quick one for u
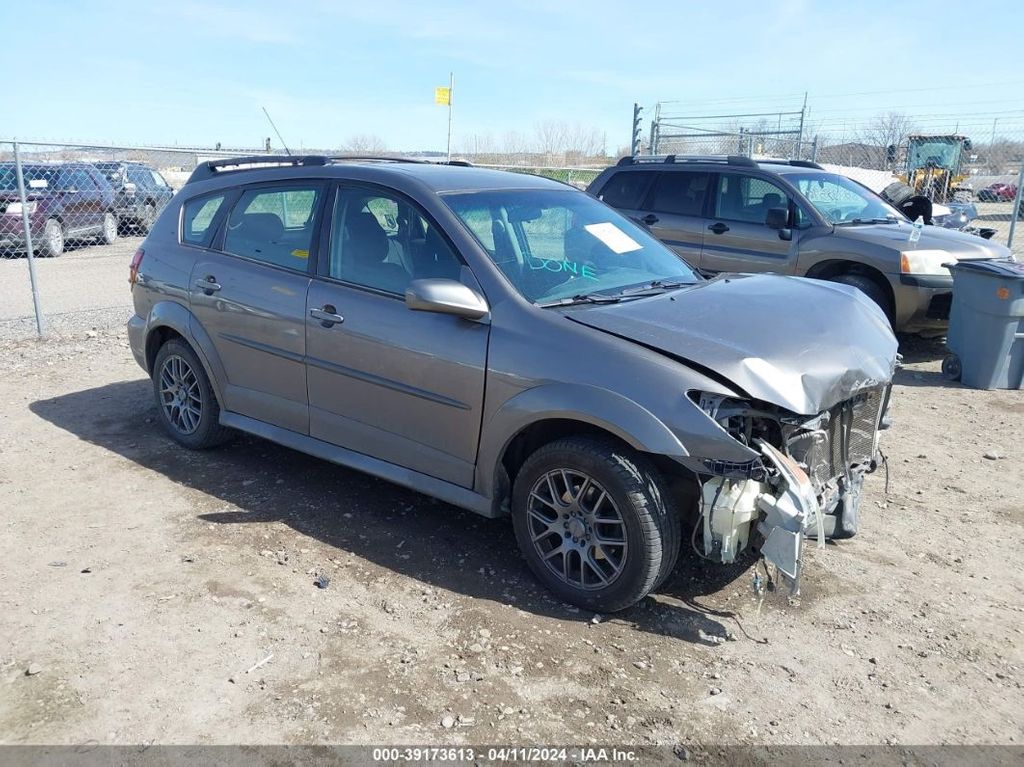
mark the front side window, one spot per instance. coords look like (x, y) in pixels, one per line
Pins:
(841, 200)
(273, 225)
(555, 244)
(158, 180)
(384, 242)
(626, 189)
(140, 178)
(197, 218)
(747, 198)
(680, 193)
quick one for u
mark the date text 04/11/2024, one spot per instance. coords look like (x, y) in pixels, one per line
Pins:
(497, 754)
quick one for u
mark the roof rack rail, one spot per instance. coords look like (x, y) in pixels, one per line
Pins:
(732, 159)
(211, 168)
(794, 163)
(391, 158)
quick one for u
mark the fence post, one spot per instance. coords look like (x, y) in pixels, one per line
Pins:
(814, 150)
(1016, 206)
(28, 241)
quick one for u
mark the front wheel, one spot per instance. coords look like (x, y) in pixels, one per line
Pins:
(594, 523)
(868, 287)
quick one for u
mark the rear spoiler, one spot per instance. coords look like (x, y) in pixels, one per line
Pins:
(211, 168)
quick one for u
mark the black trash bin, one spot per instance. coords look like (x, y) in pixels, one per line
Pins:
(986, 324)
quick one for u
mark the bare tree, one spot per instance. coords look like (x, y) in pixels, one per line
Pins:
(364, 143)
(884, 131)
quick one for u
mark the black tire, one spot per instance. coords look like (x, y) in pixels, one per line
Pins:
(53, 240)
(108, 235)
(952, 368)
(196, 432)
(868, 287)
(651, 535)
(146, 220)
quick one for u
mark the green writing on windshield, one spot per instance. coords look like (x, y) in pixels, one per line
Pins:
(574, 268)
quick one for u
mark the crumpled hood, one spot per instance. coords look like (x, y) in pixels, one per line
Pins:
(959, 244)
(802, 344)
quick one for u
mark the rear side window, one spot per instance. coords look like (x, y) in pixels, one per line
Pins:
(626, 189)
(681, 193)
(274, 225)
(197, 217)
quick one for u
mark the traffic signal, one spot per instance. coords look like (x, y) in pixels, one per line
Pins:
(635, 140)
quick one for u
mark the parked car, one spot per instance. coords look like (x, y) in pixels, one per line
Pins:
(140, 193)
(508, 344)
(67, 201)
(997, 192)
(732, 214)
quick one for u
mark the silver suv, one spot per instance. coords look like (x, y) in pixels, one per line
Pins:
(732, 214)
(508, 344)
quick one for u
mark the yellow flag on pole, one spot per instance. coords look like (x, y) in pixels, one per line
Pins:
(443, 96)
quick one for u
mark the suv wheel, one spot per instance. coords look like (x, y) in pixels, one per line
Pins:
(146, 220)
(109, 233)
(53, 239)
(593, 522)
(868, 287)
(188, 407)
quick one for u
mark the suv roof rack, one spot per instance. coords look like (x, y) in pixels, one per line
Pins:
(794, 163)
(211, 168)
(731, 159)
(388, 158)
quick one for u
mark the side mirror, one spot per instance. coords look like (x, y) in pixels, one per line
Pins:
(776, 218)
(445, 297)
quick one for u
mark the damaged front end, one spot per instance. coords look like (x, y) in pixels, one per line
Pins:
(807, 483)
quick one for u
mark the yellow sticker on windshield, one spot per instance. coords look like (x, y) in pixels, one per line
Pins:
(300, 253)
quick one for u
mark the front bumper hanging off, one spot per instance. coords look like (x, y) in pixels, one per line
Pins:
(790, 515)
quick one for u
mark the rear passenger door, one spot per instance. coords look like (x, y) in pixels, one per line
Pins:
(248, 292)
(736, 238)
(674, 211)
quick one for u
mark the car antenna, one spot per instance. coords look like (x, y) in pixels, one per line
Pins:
(286, 150)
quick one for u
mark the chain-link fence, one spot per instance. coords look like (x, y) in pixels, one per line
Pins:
(72, 215)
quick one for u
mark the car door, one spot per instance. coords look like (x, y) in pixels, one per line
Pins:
(248, 292)
(674, 211)
(736, 238)
(399, 385)
(83, 204)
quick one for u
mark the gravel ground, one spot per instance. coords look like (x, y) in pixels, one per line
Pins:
(143, 585)
(84, 289)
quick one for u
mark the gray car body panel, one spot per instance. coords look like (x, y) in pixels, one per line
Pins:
(467, 388)
(816, 249)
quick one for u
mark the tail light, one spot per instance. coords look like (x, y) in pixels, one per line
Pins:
(133, 268)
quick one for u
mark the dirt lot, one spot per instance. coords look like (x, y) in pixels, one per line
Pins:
(145, 584)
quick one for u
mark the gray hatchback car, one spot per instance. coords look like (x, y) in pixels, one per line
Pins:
(732, 214)
(511, 345)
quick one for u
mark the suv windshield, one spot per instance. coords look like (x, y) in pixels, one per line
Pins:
(554, 244)
(841, 200)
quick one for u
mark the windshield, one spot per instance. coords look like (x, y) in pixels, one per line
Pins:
(841, 200)
(555, 244)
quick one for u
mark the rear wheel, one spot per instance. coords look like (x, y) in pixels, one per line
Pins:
(868, 287)
(952, 367)
(52, 244)
(593, 522)
(188, 407)
(109, 233)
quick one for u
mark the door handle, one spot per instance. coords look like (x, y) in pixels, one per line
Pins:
(719, 228)
(208, 285)
(327, 315)
(650, 218)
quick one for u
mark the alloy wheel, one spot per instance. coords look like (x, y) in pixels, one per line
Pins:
(577, 529)
(180, 395)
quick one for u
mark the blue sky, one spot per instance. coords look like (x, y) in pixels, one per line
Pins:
(191, 72)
